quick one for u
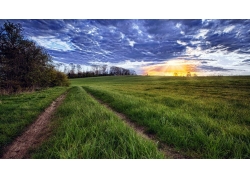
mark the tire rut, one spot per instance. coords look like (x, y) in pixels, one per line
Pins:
(34, 135)
(169, 152)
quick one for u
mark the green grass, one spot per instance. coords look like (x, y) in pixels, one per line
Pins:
(206, 117)
(18, 111)
(86, 129)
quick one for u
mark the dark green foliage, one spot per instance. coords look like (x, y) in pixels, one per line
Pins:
(23, 64)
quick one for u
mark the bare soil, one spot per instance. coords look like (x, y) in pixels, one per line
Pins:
(34, 135)
(169, 152)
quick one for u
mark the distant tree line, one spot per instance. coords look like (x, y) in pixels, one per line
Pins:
(188, 74)
(23, 64)
(98, 70)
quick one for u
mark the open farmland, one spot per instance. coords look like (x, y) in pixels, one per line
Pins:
(80, 128)
(85, 129)
(203, 117)
(198, 117)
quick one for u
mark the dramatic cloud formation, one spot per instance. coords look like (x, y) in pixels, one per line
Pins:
(157, 47)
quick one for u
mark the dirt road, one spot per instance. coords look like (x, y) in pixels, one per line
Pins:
(34, 135)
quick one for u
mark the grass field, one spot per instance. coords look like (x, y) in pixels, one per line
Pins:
(205, 117)
(18, 111)
(86, 129)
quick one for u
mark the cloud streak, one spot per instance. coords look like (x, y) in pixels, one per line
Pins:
(225, 42)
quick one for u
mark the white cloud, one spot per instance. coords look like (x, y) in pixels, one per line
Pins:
(178, 25)
(202, 33)
(70, 27)
(194, 51)
(53, 43)
(92, 31)
(132, 64)
(149, 36)
(135, 26)
(77, 47)
(221, 58)
(228, 29)
(181, 42)
(148, 53)
(122, 35)
(131, 43)
(112, 29)
(206, 21)
(106, 52)
(227, 60)
(194, 42)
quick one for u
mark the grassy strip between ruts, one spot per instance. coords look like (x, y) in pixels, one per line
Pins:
(86, 129)
(199, 135)
(19, 111)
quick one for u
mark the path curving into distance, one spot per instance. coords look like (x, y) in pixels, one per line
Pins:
(39, 131)
(168, 151)
(34, 135)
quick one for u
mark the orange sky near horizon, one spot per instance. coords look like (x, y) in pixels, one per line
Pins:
(173, 68)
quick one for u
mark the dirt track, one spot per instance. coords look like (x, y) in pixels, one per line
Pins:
(167, 150)
(34, 135)
(39, 131)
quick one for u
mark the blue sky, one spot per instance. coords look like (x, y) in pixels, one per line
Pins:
(148, 46)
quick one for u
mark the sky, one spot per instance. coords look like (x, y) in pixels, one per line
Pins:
(149, 46)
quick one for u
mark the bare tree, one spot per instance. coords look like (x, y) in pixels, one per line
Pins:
(95, 69)
(79, 68)
(72, 68)
(66, 69)
(104, 69)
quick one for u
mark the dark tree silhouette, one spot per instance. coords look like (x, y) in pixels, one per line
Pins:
(23, 64)
(188, 74)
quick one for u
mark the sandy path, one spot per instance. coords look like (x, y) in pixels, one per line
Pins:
(34, 135)
(168, 151)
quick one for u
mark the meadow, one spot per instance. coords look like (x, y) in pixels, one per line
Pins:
(199, 117)
(203, 117)
(85, 129)
(18, 111)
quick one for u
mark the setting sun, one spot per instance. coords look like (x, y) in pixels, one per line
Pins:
(173, 68)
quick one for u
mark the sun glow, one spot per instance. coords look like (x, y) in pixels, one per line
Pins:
(173, 68)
